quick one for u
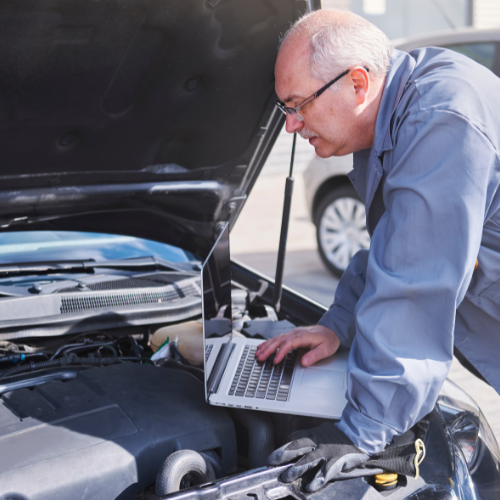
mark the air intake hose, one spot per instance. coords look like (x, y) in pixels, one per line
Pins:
(260, 435)
(71, 359)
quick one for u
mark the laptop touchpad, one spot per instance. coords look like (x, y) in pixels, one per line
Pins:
(324, 379)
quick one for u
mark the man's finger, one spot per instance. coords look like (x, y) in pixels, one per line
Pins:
(313, 337)
(302, 340)
(291, 340)
(305, 464)
(267, 348)
(320, 352)
(339, 468)
(284, 349)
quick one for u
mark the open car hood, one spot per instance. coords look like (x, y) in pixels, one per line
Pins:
(149, 118)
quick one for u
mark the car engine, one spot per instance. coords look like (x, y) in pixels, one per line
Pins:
(100, 424)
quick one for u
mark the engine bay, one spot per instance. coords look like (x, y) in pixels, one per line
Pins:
(87, 431)
(100, 414)
(95, 417)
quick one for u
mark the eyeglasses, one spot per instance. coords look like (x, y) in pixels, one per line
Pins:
(295, 111)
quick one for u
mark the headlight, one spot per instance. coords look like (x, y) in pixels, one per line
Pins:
(467, 425)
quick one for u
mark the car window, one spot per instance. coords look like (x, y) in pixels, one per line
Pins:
(483, 53)
(30, 246)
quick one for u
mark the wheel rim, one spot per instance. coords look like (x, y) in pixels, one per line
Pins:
(342, 231)
(187, 481)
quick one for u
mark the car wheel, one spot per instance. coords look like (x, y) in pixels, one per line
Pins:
(340, 228)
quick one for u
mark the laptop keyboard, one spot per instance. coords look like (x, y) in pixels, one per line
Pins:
(263, 380)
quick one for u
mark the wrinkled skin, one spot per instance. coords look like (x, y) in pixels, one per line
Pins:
(341, 120)
(319, 340)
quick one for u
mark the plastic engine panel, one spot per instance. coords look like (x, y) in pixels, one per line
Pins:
(105, 434)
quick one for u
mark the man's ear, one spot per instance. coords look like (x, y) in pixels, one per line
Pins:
(361, 83)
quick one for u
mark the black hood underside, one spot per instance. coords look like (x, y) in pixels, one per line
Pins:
(125, 85)
(149, 118)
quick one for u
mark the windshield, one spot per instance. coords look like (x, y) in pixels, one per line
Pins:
(39, 246)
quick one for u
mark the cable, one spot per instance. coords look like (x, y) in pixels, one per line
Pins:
(86, 344)
(30, 367)
(72, 359)
(65, 346)
(112, 349)
(17, 357)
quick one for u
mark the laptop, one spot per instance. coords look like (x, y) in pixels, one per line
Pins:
(234, 378)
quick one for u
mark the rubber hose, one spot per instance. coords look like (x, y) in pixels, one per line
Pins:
(183, 466)
(215, 461)
(16, 357)
(260, 435)
(30, 367)
(31, 380)
(177, 365)
(72, 359)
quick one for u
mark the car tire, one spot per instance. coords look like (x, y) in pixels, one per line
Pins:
(183, 469)
(340, 222)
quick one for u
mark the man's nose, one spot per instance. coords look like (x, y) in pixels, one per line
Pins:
(293, 124)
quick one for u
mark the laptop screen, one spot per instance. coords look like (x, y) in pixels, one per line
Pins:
(216, 303)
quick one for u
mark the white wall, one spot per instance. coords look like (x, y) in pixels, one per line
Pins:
(336, 4)
(486, 13)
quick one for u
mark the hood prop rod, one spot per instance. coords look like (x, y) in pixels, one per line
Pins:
(285, 220)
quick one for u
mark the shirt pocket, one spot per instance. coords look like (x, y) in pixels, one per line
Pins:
(492, 293)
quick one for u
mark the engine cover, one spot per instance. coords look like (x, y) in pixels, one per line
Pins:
(104, 434)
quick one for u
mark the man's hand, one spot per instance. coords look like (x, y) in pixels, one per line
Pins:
(326, 447)
(320, 340)
(334, 456)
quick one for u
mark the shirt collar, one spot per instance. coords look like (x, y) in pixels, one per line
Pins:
(402, 66)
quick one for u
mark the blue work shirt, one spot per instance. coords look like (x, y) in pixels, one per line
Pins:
(430, 185)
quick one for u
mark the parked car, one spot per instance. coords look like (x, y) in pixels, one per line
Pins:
(334, 206)
(126, 149)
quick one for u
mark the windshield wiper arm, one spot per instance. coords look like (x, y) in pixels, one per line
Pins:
(83, 266)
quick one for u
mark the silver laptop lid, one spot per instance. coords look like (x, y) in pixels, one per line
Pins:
(216, 306)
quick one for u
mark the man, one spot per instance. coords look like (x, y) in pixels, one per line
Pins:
(425, 131)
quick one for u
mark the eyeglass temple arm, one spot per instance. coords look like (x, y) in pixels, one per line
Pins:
(322, 89)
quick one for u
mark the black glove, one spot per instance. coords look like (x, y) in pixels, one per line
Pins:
(325, 446)
(403, 454)
(328, 447)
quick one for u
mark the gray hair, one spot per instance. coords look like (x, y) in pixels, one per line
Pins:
(341, 40)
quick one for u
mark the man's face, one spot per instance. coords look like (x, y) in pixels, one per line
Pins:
(331, 122)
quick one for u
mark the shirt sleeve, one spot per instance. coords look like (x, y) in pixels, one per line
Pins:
(340, 316)
(422, 255)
